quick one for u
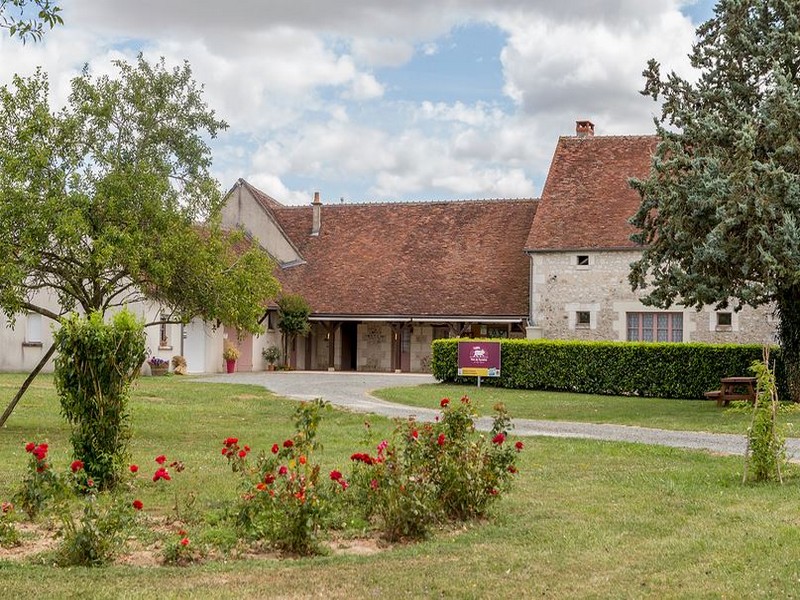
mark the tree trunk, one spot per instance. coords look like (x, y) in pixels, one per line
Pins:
(788, 300)
(26, 384)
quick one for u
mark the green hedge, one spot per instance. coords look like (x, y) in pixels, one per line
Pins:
(614, 368)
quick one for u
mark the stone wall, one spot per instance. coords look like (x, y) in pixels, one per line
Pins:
(374, 347)
(561, 288)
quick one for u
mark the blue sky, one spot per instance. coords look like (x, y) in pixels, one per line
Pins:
(387, 101)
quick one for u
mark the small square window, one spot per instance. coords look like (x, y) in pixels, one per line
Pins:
(583, 318)
(724, 319)
(583, 260)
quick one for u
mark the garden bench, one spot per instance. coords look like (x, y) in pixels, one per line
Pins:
(734, 388)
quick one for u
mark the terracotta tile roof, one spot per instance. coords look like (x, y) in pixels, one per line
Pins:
(411, 259)
(586, 201)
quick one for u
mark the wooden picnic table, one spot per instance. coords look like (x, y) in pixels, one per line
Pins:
(734, 388)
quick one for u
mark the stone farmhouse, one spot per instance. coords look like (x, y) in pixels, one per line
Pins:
(386, 279)
(580, 252)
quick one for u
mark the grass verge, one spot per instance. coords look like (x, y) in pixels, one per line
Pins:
(586, 519)
(659, 413)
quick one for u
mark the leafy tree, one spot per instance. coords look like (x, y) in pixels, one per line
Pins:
(293, 313)
(720, 211)
(27, 18)
(97, 363)
(110, 201)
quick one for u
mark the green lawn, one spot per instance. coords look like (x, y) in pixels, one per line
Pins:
(586, 519)
(686, 415)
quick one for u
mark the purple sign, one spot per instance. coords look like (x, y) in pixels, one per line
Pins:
(479, 359)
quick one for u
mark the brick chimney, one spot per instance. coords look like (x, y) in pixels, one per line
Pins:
(316, 214)
(584, 128)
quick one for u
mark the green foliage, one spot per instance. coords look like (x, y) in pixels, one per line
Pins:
(720, 208)
(178, 550)
(766, 442)
(45, 12)
(40, 486)
(284, 502)
(271, 354)
(293, 313)
(96, 364)
(431, 472)
(110, 200)
(613, 368)
(98, 534)
(8, 533)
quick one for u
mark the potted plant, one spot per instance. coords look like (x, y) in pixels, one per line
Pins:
(230, 353)
(271, 354)
(158, 366)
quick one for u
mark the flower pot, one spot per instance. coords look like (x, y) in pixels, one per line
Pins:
(270, 367)
(230, 365)
(158, 371)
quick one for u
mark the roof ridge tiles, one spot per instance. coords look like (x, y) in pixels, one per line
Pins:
(416, 202)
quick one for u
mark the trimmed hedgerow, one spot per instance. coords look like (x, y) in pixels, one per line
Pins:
(615, 368)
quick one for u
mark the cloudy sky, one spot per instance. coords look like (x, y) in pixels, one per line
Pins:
(377, 100)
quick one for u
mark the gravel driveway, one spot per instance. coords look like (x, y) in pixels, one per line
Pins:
(352, 392)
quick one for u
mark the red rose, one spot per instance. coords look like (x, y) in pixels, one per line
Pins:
(242, 453)
(161, 473)
(76, 465)
(444, 402)
(335, 475)
(465, 399)
(247, 448)
(224, 452)
(269, 478)
(134, 468)
(519, 446)
(344, 484)
(440, 439)
(161, 459)
(29, 447)
(90, 482)
(231, 441)
(414, 434)
(275, 448)
(40, 452)
(499, 438)
(288, 444)
(283, 470)
(302, 460)
(512, 469)
(185, 542)
(261, 486)
(137, 504)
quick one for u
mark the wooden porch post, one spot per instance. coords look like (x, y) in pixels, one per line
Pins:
(330, 330)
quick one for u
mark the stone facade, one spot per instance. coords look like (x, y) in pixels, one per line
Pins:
(585, 295)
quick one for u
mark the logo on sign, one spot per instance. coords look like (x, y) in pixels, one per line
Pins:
(478, 355)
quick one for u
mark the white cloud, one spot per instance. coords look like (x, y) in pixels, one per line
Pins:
(293, 78)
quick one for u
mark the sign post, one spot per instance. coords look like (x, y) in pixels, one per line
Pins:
(479, 359)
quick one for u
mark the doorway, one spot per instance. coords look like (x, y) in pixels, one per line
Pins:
(349, 332)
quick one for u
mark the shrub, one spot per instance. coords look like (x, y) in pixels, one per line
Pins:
(618, 368)
(284, 501)
(433, 471)
(40, 484)
(100, 532)
(766, 441)
(94, 369)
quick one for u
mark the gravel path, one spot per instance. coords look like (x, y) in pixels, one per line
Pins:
(351, 391)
